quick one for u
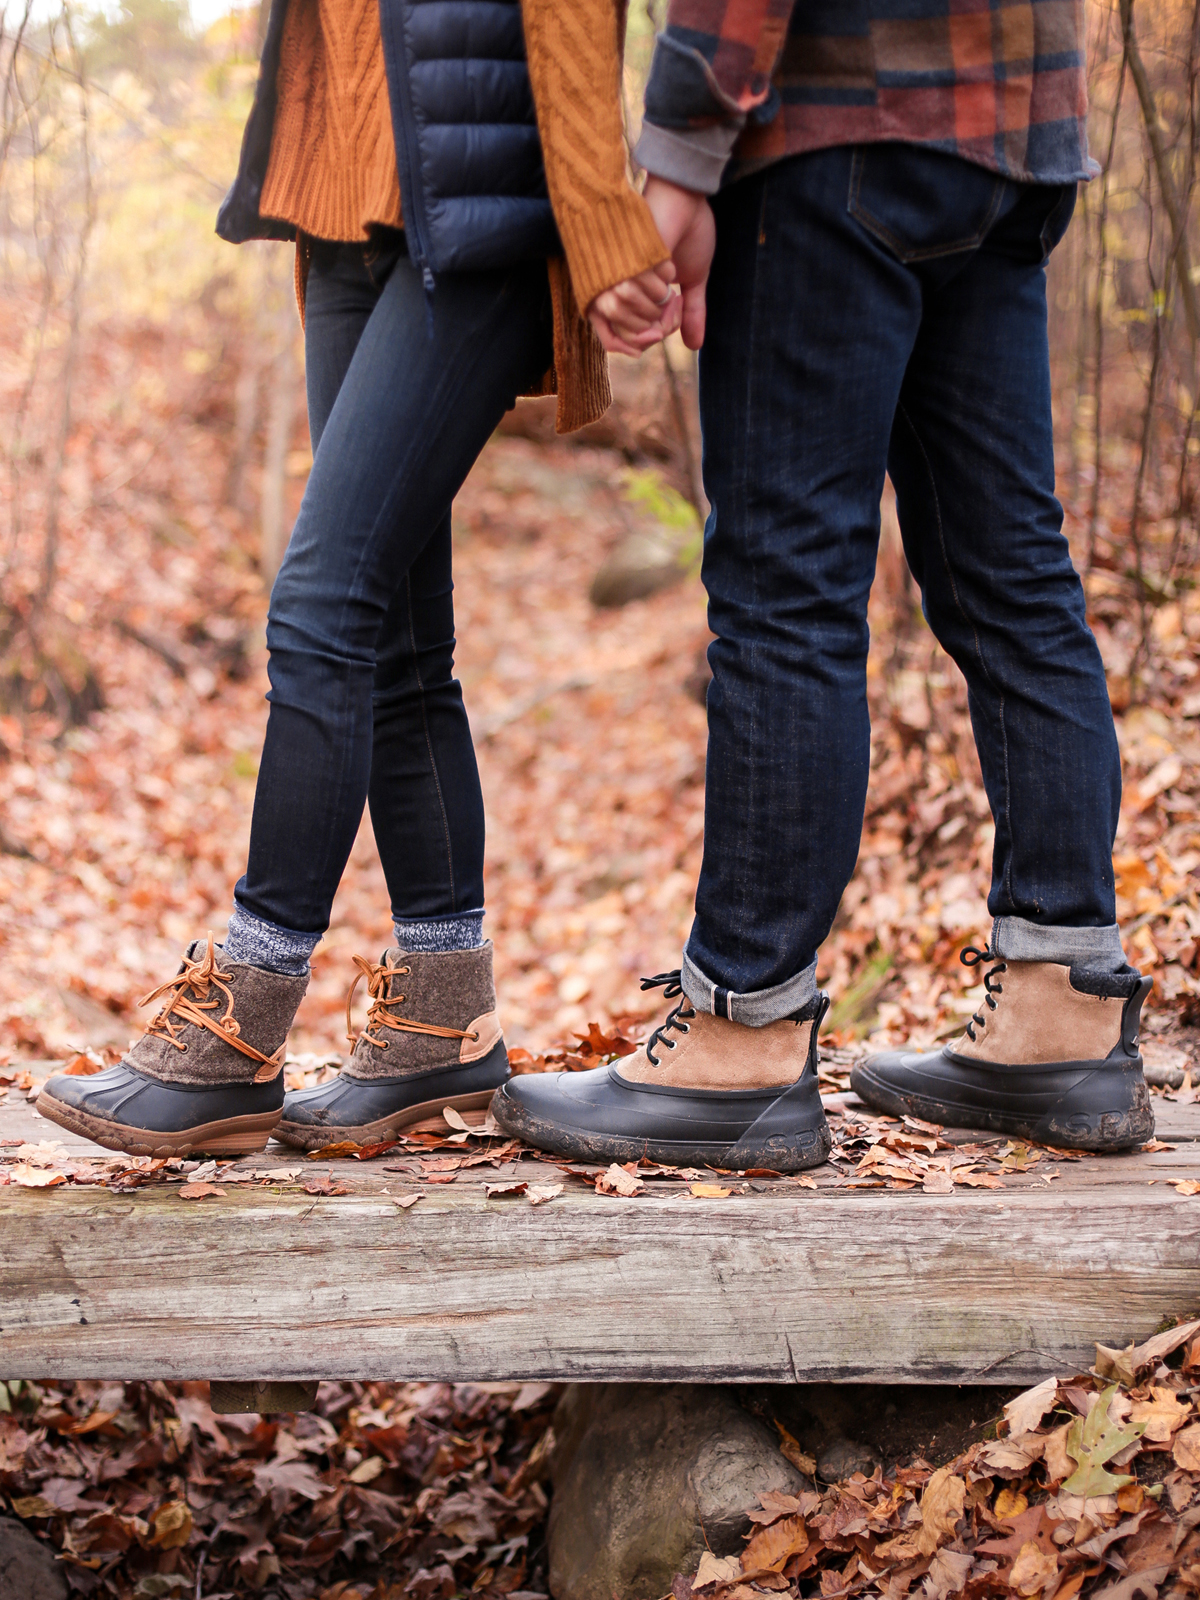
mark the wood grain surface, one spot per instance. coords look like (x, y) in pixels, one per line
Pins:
(776, 1283)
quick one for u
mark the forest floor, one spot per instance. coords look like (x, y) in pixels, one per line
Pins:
(122, 837)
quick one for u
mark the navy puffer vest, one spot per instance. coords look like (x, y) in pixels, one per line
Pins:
(472, 183)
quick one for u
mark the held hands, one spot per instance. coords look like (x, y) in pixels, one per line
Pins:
(639, 312)
(688, 229)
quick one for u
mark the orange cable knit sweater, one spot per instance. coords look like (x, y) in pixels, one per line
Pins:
(332, 172)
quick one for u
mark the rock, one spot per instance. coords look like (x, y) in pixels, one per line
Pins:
(842, 1458)
(641, 565)
(646, 1477)
(28, 1570)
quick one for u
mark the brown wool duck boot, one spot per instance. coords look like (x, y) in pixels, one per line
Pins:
(1051, 1055)
(702, 1091)
(207, 1075)
(432, 1039)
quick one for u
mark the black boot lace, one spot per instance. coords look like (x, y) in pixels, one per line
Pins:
(971, 957)
(671, 984)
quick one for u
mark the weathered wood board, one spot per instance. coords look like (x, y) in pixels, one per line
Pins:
(779, 1283)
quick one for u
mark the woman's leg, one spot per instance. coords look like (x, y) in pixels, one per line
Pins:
(423, 391)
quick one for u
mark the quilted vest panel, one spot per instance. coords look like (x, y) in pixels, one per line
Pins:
(472, 182)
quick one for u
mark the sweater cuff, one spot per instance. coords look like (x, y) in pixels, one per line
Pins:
(694, 158)
(613, 240)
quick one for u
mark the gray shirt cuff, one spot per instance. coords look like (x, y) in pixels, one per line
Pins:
(694, 158)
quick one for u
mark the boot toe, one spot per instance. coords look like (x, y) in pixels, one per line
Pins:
(123, 1109)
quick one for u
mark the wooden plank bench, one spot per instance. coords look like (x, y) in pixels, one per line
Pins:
(776, 1282)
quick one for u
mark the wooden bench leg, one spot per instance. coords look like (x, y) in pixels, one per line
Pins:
(267, 1398)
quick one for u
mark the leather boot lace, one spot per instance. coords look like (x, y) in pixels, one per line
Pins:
(379, 1014)
(671, 984)
(971, 957)
(191, 999)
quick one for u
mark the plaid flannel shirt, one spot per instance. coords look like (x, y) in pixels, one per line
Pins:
(738, 83)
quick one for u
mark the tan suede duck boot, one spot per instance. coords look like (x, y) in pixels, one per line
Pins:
(1051, 1055)
(207, 1075)
(432, 1039)
(701, 1091)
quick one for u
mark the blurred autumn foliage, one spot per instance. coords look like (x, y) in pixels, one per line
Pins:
(155, 451)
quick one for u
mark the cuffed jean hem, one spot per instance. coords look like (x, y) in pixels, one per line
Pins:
(1014, 939)
(755, 1009)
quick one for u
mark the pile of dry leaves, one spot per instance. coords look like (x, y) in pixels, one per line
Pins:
(434, 1490)
(1091, 1488)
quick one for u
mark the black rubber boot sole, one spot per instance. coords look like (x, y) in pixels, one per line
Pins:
(373, 1110)
(1098, 1106)
(612, 1120)
(123, 1109)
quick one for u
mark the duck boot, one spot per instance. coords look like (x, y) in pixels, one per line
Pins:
(701, 1091)
(207, 1075)
(432, 1039)
(1051, 1055)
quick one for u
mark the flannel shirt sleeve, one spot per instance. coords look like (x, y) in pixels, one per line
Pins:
(711, 70)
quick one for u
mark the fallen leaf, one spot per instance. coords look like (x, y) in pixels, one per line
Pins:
(1025, 1412)
(770, 1547)
(1010, 1503)
(27, 1177)
(456, 1119)
(326, 1185)
(98, 1419)
(1059, 1464)
(335, 1152)
(1161, 1415)
(541, 1194)
(716, 1569)
(34, 1505)
(941, 1507)
(710, 1191)
(405, 1201)
(1124, 1365)
(199, 1191)
(503, 1191)
(367, 1471)
(620, 1181)
(977, 1180)
(1142, 1585)
(1033, 1570)
(1185, 1447)
(1094, 1441)
(948, 1572)
(789, 1448)
(172, 1525)
(1186, 1186)
(81, 1066)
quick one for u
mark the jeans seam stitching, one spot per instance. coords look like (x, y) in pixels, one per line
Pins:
(437, 782)
(941, 533)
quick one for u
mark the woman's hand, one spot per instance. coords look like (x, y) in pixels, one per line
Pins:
(639, 312)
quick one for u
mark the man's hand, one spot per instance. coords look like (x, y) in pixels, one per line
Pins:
(638, 312)
(685, 221)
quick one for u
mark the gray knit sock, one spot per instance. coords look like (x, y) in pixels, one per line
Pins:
(436, 935)
(259, 943)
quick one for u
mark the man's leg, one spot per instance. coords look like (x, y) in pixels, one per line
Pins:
(972, 458)
(810, 326)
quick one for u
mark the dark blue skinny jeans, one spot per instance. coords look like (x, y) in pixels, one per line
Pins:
(872, 308)
(402, 396)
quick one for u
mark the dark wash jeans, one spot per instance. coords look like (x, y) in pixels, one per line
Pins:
(884, 307)
(402, 396)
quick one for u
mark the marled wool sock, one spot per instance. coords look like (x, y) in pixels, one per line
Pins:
(258, 943)
(435, 935)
